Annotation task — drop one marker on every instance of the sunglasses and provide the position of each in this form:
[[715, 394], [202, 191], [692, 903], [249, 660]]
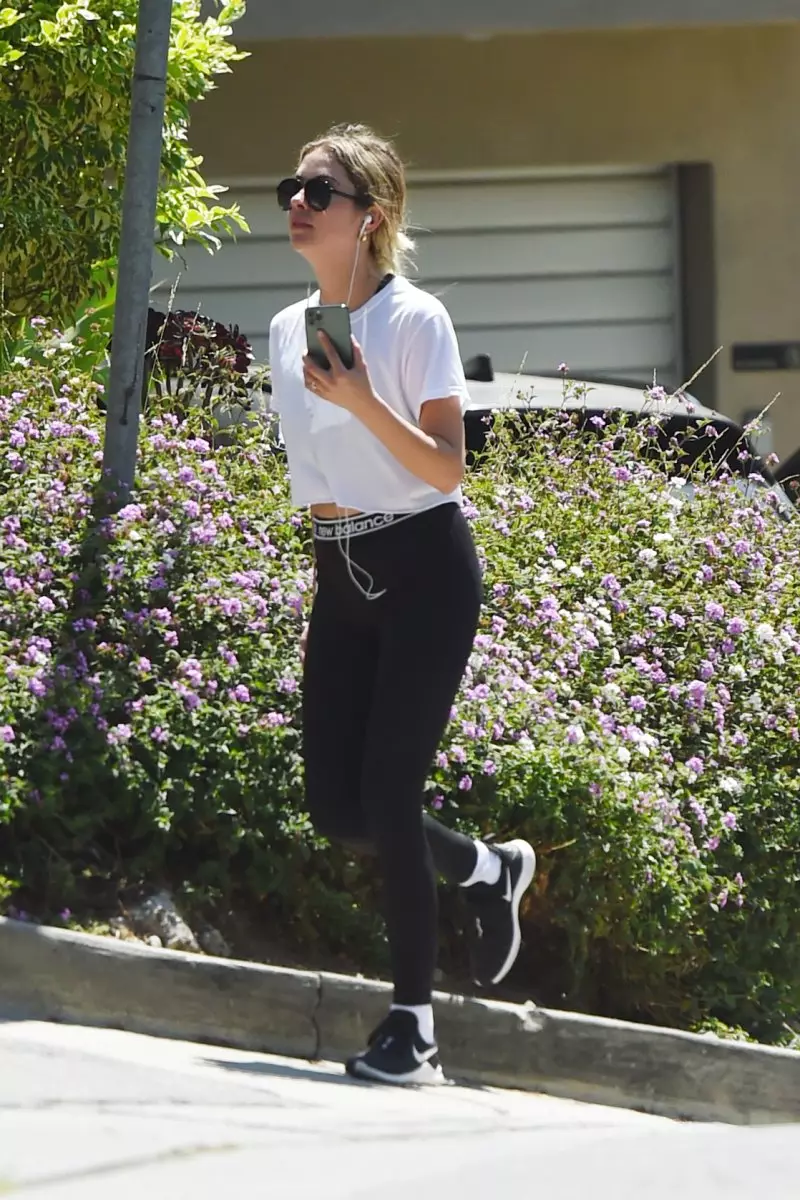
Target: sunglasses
[[319, 191]]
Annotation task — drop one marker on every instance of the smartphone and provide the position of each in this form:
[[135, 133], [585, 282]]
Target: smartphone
[[334, 320]]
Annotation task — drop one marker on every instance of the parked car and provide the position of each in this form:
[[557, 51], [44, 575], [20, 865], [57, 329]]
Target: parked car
[[680, 415]]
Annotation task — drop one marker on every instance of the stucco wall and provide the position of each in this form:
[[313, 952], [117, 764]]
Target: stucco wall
[[728, 96]]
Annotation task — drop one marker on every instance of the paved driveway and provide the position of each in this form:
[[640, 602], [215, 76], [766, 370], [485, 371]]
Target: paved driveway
[[89, 1113]]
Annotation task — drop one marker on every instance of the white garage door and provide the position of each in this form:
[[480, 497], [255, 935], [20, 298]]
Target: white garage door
[[577, 268]]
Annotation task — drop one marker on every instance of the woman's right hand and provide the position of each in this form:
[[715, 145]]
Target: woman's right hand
[[303, 642]]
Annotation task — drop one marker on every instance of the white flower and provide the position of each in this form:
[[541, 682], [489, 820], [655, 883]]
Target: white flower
[[660, 538], [738, 671], [754, 701], [616, 657], [578, 572], [66, 346], [623, 755], [730, 785], [647, 556], [19, 361], [559, 564], [612, 692], [764, 633]]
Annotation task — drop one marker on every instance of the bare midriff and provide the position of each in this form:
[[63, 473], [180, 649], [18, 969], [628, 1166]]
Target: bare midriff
[[333, 511]]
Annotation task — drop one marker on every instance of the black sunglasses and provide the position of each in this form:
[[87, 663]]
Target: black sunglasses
[[319, 191]]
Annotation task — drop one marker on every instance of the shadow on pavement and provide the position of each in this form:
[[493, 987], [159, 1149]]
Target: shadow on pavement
[[286, 1070]]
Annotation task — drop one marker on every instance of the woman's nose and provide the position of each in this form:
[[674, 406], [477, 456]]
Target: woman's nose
[[299, 199]]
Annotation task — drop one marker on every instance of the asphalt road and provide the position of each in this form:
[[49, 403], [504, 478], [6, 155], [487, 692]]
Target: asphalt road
[[89, 1113]]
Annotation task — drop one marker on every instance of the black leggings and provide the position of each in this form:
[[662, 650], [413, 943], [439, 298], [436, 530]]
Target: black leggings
[[380, 678]]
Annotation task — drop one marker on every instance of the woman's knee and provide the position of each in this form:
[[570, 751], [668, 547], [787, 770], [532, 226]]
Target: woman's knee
[[346, 830]]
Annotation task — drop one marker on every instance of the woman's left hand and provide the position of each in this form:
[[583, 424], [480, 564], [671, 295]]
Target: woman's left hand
[[350, 389]]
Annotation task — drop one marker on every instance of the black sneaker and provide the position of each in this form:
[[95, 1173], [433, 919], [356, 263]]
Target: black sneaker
[[397, 1053], [494, 908]]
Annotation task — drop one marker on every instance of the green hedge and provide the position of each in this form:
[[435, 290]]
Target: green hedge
[[630, 705]]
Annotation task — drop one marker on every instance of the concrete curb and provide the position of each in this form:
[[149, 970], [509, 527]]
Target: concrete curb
[[57, 975]]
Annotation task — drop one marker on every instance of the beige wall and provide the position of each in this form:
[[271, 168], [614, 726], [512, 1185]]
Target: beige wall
[[728, 96]]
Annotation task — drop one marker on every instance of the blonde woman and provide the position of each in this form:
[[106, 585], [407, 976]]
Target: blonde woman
[[376, 452]]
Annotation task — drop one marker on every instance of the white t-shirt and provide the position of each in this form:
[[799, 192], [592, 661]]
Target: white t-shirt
[[412, 354]]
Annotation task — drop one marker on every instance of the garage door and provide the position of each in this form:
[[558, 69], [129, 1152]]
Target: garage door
[[577, 268]]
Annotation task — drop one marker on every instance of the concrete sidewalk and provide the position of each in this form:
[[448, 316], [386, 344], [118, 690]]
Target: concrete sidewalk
[[88, 1113], [59, 975]]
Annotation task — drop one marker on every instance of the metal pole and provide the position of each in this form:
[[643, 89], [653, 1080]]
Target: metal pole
[[136, 242]]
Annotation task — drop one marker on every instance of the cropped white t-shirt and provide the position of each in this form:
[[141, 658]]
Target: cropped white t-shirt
[[412, 354]]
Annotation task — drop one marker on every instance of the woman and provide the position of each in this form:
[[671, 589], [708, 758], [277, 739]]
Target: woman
[[377, 454]]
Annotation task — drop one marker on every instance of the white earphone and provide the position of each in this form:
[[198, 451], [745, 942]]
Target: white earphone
[[365, 224]]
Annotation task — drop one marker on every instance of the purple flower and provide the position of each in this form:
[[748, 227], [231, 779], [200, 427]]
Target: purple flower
[[489, 768], [575, 735], [287, 685], [46, 604], [714, 611], [706, 669], [638, 703], [712, 844], [240, 693], [697, 691], [465, 783], [729, 820], [7, 733], [437, 802], [736, 626], [695, 765], [441, 759], [231, 606]]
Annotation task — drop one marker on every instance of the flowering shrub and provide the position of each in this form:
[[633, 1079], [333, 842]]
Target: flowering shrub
[[630, 705]]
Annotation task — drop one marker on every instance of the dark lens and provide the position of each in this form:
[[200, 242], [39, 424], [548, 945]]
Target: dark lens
[[286, 190], [318, 193]]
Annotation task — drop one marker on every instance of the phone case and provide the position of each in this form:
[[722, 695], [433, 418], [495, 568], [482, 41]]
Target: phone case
[[333, 319]]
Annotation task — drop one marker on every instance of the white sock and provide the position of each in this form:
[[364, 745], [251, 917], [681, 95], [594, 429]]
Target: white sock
[[487, 867], [424, 1015]]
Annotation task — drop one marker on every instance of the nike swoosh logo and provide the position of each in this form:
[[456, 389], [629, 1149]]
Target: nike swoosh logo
[[423, 1056]]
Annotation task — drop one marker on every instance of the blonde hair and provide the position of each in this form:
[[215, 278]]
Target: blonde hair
[[375, 168]]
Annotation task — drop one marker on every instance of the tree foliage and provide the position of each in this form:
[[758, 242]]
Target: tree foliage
[[65, 73]]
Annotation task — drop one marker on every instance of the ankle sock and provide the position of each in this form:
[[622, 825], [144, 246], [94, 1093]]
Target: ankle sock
[[424, 1015], [487, 867]]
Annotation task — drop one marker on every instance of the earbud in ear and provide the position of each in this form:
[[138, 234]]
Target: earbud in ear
[[365, 224]]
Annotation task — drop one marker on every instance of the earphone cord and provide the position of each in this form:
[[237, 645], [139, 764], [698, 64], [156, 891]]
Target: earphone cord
[[367, 592]]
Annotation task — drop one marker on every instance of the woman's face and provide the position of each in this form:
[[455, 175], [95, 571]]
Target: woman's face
[[333, 233]]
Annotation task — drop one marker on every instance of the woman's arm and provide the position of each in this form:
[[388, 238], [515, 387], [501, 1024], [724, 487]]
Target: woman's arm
[[433, 450]]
